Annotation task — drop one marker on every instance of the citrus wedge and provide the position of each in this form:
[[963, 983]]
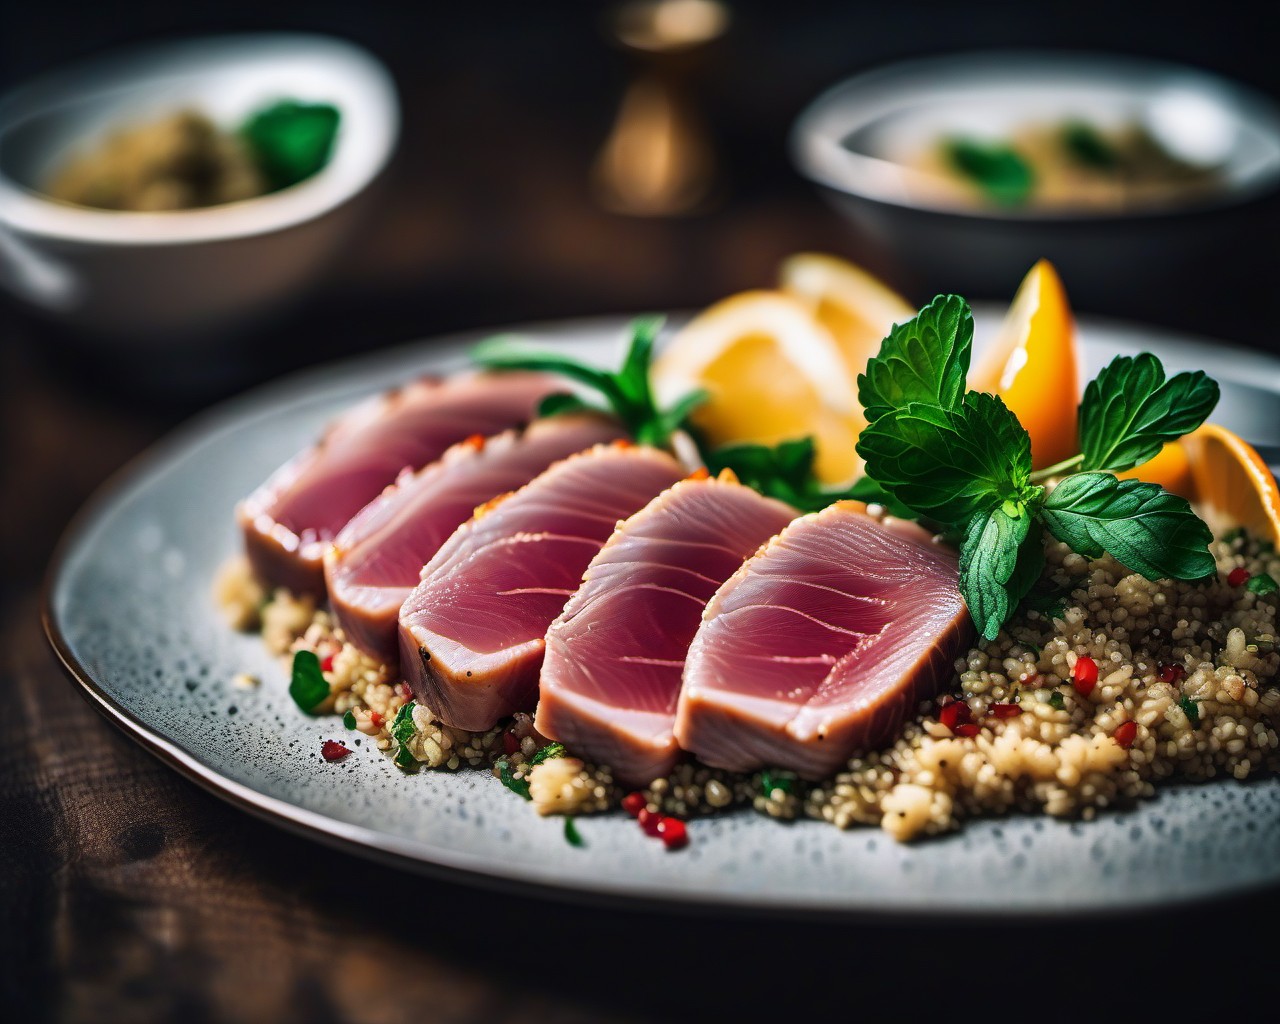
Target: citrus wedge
[[1033, 365], [1171, 469], [772, 373], [1233, 483], [857, 308]]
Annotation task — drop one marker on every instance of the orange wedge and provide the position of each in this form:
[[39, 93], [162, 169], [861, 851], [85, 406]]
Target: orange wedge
[[857, 308], [1033, 365], [1233, 483], [1171, 469], [773, 373]]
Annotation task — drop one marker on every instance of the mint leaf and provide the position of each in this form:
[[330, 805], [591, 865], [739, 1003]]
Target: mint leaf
[[307, 685], [950, 465], [997, 169], [291, 141], [1000, 558], [1261, 584], [1130, 411], [784, 471], [627, 392], [349, 720], [559, 402], [1048, 599], [1190, 708], [866, 490], [1143, 526], [924, 360]]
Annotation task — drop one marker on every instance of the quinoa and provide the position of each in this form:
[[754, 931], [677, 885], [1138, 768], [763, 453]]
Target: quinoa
[[1186, 689]]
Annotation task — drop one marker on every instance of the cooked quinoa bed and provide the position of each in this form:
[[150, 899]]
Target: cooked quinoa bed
[[1194, 667]]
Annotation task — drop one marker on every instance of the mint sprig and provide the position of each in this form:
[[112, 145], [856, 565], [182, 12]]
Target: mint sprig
[[307, 685], [627, 393], [997, 169], [962, 460], [1130, 411]]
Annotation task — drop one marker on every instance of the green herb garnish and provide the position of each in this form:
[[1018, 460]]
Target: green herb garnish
[[1261, 584], [1056, 701], [997, 169], [291, 141], [571, 834], [307, 685], [963, 460], [627, 393], [1191, 708], [1086, 145], [402, 730], [1130, 411], [349, 719], [547, 753], [771, 780], [518, 786], [1047, 599]]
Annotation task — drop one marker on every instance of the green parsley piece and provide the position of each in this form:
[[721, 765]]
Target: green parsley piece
[[1143, 526], [1192, 710], [571, 834], [626, 393], [951, 464], [1261, 584], [507, 774], [1000, 559], [923, 360], [307, 684], [1086, 145], [997, 169], [547, 753], [291, 141], [1130, 411], [402, 728], [771, 780], [349, 719], [1057, 701]]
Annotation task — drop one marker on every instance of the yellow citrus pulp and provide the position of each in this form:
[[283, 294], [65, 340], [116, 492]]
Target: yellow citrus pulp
[[1033, 365]]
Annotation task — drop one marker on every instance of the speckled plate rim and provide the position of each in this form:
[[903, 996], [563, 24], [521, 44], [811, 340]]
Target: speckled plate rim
[[459, 867]]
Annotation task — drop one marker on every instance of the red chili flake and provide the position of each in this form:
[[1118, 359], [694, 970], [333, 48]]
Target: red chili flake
[[955, 714], [1005, 710], [673, 833], [1172, 673], [649, 821], [326, 663], [1085, 676], [1125, 734], [510, 741], [376, 719], [634, 803], [332, 750], [1238, 576], [1030, 679], [967, 729]]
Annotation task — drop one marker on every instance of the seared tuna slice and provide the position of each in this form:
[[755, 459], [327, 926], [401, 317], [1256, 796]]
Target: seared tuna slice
[[289, 521], [614, 659], [821, 644], [471, 633], [377, 558]]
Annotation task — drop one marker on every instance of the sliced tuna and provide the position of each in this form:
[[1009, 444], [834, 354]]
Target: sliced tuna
[[472, 632], [290, 520], [614, 657], [821, 644], [377, 558]]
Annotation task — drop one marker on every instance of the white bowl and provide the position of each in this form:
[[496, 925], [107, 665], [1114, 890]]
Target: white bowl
[[854, 140], [154, 276]]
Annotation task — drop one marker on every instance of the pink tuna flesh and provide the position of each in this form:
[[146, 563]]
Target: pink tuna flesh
[[290, 520], [377, 558], [472, 632], [821, 645], [614, 657]]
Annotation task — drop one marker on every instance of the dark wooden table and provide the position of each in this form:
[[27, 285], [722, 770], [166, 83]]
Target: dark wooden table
[[129, 894]]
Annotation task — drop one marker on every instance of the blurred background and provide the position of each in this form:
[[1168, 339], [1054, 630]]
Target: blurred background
[[502, 204]]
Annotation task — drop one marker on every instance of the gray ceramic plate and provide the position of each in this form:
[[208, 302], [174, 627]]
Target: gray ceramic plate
[[129, 612]]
